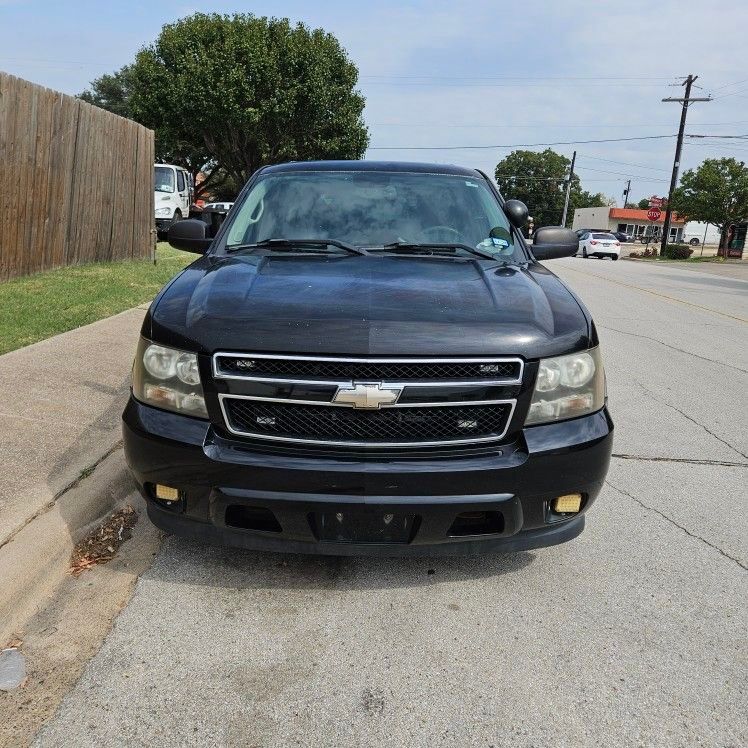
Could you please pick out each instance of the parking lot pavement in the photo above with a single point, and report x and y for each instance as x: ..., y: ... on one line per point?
x: 633, y: 634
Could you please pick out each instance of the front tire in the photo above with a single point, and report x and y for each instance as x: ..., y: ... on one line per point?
x: 614, y: 257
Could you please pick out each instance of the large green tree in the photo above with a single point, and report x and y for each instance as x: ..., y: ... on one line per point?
x: 111, y: 92
x: 232, y: 93
x: 539, y: 180
x: 716, y: 192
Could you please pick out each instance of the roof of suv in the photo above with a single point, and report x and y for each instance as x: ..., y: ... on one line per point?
x: 402, y: 166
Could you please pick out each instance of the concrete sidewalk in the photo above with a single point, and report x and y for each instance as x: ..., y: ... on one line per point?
x: 59, y: 419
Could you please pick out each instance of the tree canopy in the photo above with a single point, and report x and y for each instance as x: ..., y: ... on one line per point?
x: 539, y: 180
x: 232, y: 93
x: 111, y: 92
x: 716, y: 192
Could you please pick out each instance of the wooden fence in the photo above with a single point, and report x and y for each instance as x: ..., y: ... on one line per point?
x: 76, y: 182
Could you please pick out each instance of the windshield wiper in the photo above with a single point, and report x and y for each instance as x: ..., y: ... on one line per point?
x: 291, y: 244
x: 450, y: 246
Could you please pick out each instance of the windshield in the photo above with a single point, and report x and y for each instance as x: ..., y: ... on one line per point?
x: 372, y: 209
x: 163, y: 179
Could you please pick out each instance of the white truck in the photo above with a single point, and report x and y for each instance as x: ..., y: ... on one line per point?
x: 695, y: 232
x: 173, y: 191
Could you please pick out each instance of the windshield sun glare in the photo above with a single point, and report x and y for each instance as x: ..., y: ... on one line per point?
x: 374, y: 209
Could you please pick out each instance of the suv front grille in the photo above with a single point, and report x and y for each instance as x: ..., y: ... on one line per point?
x: 302, y: 368
x: 367, y: 402
x: 388, y: 426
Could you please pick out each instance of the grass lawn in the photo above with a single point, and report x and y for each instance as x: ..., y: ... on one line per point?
x: 45, y: 304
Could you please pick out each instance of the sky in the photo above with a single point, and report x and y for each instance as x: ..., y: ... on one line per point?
x: 439, y: 76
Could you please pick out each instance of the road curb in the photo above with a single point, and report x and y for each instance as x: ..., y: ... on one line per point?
x: 35, y: 559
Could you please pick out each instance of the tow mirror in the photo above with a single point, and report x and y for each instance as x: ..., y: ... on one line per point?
x: 189, y: 235
x: 517, y: 213
x: 551, y: 242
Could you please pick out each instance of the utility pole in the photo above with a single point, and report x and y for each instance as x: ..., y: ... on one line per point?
x: 568, y: 189
x: 626, y: 193
x: 685, y: 101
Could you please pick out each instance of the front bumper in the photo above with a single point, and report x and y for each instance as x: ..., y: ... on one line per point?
x: 163, y: 224
x: 300, y: 493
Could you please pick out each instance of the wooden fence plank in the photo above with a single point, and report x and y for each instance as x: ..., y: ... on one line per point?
x: 78, y: 181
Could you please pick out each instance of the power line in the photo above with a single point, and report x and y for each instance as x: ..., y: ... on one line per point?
x: 623, y: 174
x: 527, y: 84
x: 739, y: 92
x: 524, y: 77
x: 623, y: 163
x: 728, y: 85
x: 541, y: 124
x: 388, y: 76
x: 561, y: 180
x: 718, y: 146
x: 510, y: 145
x: 722, y: 137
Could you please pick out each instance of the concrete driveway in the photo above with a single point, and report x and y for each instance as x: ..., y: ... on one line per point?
x: 634, y: 634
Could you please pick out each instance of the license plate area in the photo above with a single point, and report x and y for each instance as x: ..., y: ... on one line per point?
x: 361, y: 525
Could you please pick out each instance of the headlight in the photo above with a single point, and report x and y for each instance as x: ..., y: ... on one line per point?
x: 567, y: 387
x: 168, y: 378
x: 165, y: 211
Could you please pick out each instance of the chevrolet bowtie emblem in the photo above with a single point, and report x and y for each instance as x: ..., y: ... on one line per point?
x: 370, y: 395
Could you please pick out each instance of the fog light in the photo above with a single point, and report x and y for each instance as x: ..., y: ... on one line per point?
x: 569, y: 504
x: 166, y: 493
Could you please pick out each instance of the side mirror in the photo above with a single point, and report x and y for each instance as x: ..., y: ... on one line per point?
x: 551, y: 242
x: 189, y: 235
x: 517, y: 213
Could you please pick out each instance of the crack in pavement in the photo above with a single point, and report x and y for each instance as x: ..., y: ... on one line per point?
x: 689, y: 418
x: 674, y: 348
x: 687, y: 460
x: 675, y: 524
x: 84, y: 473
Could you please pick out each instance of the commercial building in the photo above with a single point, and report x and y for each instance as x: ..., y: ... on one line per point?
x: 629, y: 220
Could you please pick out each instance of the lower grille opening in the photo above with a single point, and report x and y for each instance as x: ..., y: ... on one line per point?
x: 399, y: 426
x: 252, y: 518
x: 477, y: 523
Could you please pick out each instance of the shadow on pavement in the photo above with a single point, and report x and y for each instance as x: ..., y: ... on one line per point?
x: 87, y: 447
x: 192, y: 562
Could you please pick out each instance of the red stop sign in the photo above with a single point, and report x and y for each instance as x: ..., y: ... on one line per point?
x: 654, y: 214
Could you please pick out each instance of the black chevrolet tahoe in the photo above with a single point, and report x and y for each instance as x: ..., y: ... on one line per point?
x: 368, y: 358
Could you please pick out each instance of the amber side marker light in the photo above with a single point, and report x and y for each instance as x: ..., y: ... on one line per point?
x: 166, y: 493
x: 569, y: 504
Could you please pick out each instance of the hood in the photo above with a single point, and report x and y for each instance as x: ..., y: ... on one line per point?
x: 379, y: 305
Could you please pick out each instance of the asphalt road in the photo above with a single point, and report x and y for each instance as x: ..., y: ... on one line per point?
x: 634, y: 634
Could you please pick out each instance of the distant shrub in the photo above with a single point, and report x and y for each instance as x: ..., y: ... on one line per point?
x: 677, y: 252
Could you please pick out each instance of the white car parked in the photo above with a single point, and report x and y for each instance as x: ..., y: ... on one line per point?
x: 218, y: 206
x: 597, y: 244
